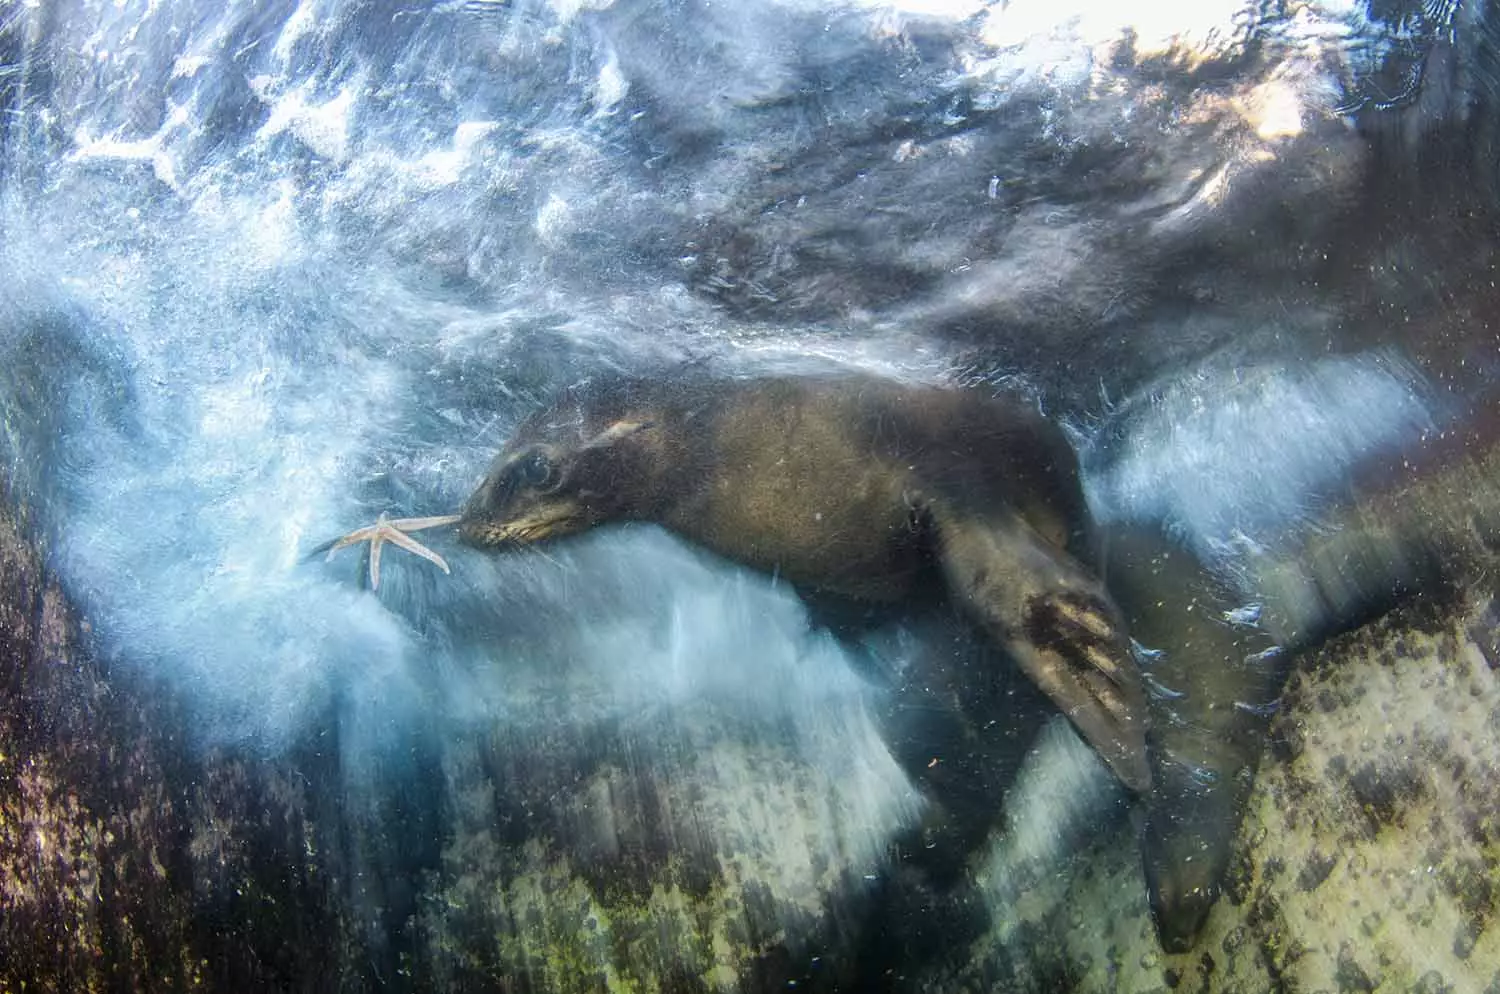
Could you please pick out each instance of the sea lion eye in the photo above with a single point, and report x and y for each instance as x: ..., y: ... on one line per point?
x: 537, y: 471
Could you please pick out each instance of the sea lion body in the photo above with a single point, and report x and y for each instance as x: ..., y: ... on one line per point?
x: 850, y: 486
x: 830, y: 484
x: 784, y: 484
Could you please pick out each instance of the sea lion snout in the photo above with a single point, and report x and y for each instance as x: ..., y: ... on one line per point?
x: 538, y: 490
x: 523, y: 498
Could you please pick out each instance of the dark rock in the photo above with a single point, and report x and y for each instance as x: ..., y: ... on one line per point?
x: 125, y: 863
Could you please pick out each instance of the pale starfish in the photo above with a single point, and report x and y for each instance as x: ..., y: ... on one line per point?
x: 392, y: 530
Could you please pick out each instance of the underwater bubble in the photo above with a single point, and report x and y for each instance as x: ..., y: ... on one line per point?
x: 1270, y: 655
x: 1265, y: 710
x: 1160, y: 691
x: 1244, y: 617
x: 1144, y: 656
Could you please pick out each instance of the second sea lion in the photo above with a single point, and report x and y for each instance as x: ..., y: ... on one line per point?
x: 846, y: 486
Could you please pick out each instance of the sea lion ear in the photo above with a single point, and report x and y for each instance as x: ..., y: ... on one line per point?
x: 619, y: 430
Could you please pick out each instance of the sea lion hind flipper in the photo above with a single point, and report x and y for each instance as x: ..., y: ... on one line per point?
x: 1059, y: 624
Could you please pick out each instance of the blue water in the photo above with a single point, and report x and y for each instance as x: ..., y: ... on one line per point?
x: 274, y: 268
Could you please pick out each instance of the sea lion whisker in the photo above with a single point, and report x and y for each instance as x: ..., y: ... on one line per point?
x: 537, y: 551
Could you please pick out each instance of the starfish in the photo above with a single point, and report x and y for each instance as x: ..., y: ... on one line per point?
x: 392, y: 530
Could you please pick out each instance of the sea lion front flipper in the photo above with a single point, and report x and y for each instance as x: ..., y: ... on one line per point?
x: 1059, y: 624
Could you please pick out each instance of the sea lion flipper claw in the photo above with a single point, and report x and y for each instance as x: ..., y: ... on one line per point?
x: 1061, y: 627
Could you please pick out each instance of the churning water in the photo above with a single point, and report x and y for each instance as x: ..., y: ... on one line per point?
x: 272, y: 268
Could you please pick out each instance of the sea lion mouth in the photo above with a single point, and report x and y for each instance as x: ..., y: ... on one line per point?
x: 539, y: 526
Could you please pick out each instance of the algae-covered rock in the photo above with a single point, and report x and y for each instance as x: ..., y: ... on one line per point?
x: 671, y: 853
x: 1367, y: 861
x: 124, y: 863
x: 679, y: 851
x: 1371, y: 851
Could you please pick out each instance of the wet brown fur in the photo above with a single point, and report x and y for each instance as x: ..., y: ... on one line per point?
x: 852, y: 486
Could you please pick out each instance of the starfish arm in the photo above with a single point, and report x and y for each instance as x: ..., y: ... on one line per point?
x: 416, y: 548
x: 417, y: 524
x: 319, y: 550
x: 344, y: 541
x: 376, y: 544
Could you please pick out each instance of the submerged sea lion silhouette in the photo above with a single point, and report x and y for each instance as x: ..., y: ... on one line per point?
x: 849, y: 486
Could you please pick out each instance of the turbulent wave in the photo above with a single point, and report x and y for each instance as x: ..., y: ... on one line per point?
x: 272, y: 268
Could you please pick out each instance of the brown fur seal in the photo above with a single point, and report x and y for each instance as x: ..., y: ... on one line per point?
x: 1215, y: 682
x: 849, y: 486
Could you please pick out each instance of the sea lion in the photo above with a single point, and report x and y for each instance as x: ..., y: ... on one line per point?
x: 1214, y: 683
x: 850, y: 486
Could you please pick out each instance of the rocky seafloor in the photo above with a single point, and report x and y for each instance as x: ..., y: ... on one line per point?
x: 1369, y: 859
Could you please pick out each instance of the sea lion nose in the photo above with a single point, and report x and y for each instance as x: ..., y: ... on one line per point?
x: 473, y: 511
x: 470, y: 528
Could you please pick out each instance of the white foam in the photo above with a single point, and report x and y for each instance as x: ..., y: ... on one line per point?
x: 323, y: 126
x: 1232, y: 454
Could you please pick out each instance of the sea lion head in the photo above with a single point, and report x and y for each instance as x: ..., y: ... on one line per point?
x: 579, y: 463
